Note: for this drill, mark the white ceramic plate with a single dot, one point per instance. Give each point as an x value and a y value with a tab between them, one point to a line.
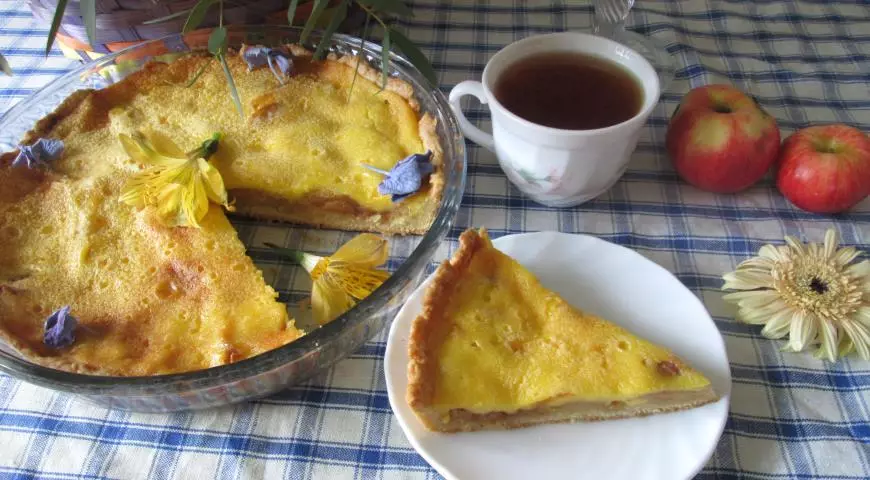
626	288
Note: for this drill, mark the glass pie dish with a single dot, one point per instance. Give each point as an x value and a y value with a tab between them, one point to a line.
321	346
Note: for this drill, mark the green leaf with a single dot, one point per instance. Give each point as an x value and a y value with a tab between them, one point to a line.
359	54
55	24
337	17
291	11
89	16
167	18
316	11
415	56
197	15
4	66
389	6
217	41
231	84
199	73
385	58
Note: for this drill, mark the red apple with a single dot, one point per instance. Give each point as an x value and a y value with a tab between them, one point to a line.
721	140
825	169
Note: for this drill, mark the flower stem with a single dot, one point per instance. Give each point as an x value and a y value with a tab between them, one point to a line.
206	149
375	169
295	255
372	14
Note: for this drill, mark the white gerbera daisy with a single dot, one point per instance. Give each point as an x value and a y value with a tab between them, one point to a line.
812	293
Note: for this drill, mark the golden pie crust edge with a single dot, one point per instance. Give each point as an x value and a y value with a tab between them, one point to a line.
57	363
62	363
430	327
428	331
345	214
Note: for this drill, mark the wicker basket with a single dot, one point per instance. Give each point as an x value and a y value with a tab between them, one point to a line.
120	23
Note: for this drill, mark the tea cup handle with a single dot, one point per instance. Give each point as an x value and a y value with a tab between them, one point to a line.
476	135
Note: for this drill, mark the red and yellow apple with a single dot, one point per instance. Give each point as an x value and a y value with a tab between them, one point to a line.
721	140
825	169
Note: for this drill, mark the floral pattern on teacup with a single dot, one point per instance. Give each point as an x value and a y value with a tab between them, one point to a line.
536	180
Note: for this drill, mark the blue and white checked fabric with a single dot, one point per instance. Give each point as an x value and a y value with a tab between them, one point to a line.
792	416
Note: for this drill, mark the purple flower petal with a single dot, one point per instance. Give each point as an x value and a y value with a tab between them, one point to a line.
256	57
51	148
277	60
283	63
60	329
40	154
406	177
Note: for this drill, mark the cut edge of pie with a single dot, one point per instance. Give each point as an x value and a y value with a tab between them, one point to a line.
431	327
264	206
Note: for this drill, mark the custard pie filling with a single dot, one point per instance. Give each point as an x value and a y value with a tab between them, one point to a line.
144	297
522	360
311	135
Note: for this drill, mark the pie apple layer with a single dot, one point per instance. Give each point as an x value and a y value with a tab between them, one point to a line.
495	349
150	299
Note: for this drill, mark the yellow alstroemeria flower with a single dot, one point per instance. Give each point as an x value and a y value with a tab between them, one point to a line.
178	184
344	278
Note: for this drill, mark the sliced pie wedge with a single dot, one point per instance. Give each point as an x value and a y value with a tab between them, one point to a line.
494	349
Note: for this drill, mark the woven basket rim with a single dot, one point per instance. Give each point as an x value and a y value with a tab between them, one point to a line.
116	25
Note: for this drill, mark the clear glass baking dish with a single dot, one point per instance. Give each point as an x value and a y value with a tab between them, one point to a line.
322	346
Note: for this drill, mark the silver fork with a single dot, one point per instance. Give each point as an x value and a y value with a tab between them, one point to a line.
610	16
609	21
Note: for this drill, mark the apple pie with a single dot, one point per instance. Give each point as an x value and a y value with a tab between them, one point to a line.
494	349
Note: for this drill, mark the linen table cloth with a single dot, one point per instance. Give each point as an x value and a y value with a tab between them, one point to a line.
791	415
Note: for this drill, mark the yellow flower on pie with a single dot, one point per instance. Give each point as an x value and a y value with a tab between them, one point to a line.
178	184
344	278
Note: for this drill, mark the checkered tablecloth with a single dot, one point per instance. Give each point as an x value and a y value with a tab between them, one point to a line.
792	416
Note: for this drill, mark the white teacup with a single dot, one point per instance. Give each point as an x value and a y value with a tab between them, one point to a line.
555	167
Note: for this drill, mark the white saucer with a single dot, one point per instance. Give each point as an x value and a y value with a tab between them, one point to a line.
626	288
